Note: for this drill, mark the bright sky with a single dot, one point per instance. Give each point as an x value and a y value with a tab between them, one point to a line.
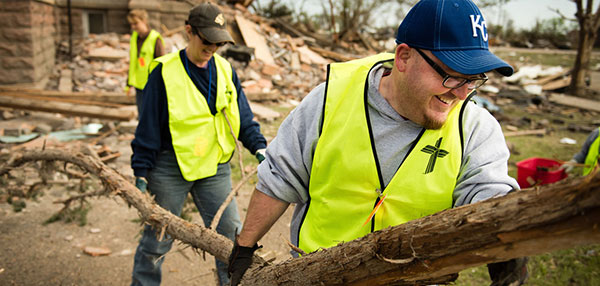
524	13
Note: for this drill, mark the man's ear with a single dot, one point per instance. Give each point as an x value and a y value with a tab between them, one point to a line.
401	57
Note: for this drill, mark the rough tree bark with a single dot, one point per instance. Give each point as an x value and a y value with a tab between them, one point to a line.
424	251
522	223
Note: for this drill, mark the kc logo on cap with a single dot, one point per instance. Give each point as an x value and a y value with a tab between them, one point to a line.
481	26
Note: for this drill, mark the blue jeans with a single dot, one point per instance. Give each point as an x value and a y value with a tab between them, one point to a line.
170	188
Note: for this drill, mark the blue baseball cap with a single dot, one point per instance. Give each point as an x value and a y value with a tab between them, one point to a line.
455	32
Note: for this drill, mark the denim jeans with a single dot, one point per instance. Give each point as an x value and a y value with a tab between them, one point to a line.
170	188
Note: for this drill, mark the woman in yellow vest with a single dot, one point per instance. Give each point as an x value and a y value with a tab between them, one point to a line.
144	46
387	139
183	142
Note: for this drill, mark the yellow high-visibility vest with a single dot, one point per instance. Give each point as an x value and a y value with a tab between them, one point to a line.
591	160
138	65
345	183
201	140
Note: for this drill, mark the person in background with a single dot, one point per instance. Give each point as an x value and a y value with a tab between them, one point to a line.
388	139
588	155
193	103
144	46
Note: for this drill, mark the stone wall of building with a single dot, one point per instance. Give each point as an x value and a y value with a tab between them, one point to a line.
33	31
115	12
27	41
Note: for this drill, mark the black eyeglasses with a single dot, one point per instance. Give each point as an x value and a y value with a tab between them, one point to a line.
453	81
205	41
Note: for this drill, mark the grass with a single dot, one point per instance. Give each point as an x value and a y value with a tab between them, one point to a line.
577	266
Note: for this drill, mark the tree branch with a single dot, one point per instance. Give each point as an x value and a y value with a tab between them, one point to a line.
188	233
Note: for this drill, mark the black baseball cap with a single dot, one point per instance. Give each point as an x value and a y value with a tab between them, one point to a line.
210	22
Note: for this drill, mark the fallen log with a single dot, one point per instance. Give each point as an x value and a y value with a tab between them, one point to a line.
574	101
68	108
424	251
107	97
77	101
430	249
542	131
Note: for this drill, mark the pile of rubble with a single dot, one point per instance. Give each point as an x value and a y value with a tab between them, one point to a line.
101	62
277	63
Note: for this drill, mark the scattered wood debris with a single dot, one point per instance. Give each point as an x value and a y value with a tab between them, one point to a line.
96	251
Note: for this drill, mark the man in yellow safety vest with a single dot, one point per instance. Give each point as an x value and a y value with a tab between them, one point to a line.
388	139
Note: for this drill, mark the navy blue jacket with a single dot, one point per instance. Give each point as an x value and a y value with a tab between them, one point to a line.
153	136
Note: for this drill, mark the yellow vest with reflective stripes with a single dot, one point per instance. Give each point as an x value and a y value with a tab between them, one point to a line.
346	184
138	65
591	160
201	140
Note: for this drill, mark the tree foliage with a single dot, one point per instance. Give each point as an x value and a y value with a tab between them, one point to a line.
273	9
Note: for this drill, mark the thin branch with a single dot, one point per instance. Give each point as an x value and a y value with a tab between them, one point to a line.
229	198
237	143
82	196
189	233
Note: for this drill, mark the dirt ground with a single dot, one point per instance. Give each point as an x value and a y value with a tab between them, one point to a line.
35	254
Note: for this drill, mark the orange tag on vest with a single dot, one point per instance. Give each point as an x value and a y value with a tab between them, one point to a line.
142	62
375	209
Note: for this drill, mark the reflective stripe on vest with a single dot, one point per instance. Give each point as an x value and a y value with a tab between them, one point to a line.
345	181
591	160
201	141
138	65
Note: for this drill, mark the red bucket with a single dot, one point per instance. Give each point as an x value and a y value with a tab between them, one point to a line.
539	171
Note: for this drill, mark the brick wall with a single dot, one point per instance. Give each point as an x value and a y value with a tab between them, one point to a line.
27	41
31	30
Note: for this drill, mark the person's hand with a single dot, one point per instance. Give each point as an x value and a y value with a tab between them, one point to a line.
141	183
568	166
129	90
260	155
239	261
512	272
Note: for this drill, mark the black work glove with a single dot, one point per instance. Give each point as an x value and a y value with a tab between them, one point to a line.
141	183
508	272
239	261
